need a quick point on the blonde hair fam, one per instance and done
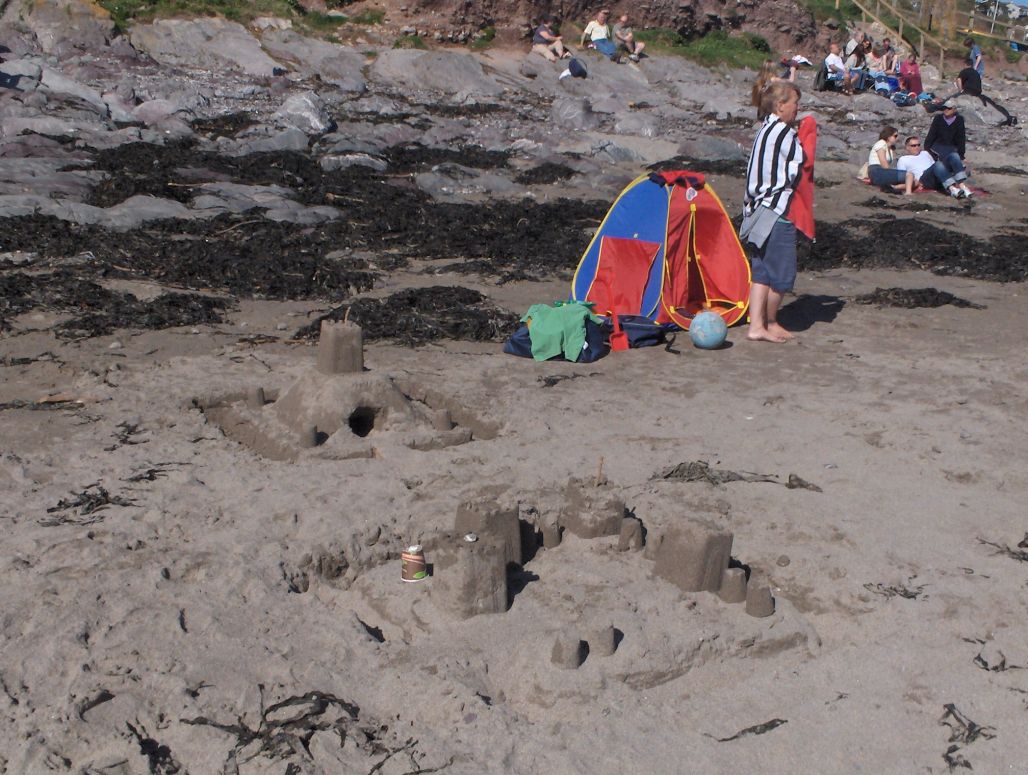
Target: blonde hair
(764, 79)
(774, 95)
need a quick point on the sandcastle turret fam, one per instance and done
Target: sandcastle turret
(340, 348)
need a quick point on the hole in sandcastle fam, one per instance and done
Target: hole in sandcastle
(362, 420)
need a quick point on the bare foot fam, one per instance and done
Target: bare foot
(763, 335)
(776, 330)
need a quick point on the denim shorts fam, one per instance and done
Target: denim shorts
(775, 264)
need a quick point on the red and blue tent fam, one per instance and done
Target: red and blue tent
(666, 250)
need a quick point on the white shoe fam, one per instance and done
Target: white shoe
(968, 193)
(955, 192)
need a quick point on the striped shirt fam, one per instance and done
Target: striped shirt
(774, 167)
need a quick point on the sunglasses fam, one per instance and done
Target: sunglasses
(913, 145)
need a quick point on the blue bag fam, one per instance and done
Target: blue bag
(596, 343)
(577, 68)
(643, 332)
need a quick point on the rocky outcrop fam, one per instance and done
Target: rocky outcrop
(62, 27)
(209, 43)
(783, 23)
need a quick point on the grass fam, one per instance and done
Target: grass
(410, 41)
(322, 21)
(715, 48)
(825, 9)
(368, 17)
(483, 39)
(123, 12)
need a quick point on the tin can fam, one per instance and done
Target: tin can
(413, 566)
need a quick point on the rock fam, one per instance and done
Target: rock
(639, 124)
(291, 139)
(338, 65)
(56, 82)
(448, 72)
(22, 67)
(81, 22)
(307, 113)
(332, 163)
(137, 210)
(573, 113)
(207, 42)
(711, 147)
(155, 111)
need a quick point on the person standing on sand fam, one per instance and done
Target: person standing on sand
(772, 174)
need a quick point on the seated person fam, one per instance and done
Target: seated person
(910, 74)
(546, 42)
(626, 39)
(947, 142)
(880, 161)
(929, 173)
(889, 57)
(969, 81)
(855, 66)
(874, 60)
(600, 35)
(837, 72)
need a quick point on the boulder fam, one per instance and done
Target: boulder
(711, 147)
(338, 65)
(82, 23)
(56, 82)
(207, 42)
(448, 72)
(307, 113)
(573, 113)
(154, 111)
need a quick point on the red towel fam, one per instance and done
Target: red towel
(801, 208)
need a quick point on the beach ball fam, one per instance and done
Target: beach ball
(708, 330)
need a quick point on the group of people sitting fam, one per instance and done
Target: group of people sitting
(613, 41)
(936, 164)
(872, 65)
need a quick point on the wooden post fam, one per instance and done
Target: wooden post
(942, 62)
(900, 29)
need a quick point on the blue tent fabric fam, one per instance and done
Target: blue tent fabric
(640, 214)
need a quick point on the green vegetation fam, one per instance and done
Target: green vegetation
(409, 41)
(715, 48)
(368, 17)
(322, 21)
(825, 9)
(484, 38)
(125, 11)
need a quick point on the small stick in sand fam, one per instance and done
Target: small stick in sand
(346, 315)
(600, 478)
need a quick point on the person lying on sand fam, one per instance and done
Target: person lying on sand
(928, 173)
(774, 169)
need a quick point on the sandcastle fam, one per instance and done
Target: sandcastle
(339, 410)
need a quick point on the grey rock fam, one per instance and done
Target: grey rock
(639, 124)
(207, 42)
(711, 147)
(305, 112)
(338, 65)
(333, 163)
(23, 67)
(137, 210)
(573, 113)
(448, 72)
(77, 21)
(119, 109)
(289, 140)
(155, 111)
(57, 82)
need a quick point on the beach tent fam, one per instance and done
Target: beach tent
(665, 250)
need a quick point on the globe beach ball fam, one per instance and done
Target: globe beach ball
(708, 330)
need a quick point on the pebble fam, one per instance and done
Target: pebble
(115, 345)
(281, 326)
(783, 560)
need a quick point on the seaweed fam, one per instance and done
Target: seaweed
(963, 732)
(89, 503)
(1020, 553)
(158, 756)
(416, 316)
(700, 471)
(758, 729)
(545, 173)
(895, 590)
(912, 298)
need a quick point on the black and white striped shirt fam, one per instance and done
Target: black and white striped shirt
(774, 167)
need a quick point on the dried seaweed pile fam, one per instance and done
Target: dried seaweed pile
(418, 315)
(913, 298)
(98, 311)
(543, 174)
(909, 244)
